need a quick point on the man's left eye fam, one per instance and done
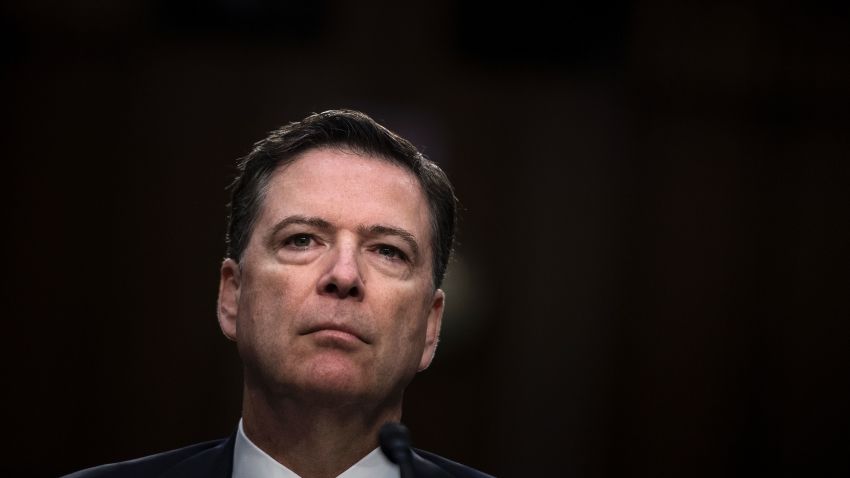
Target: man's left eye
(390, 252)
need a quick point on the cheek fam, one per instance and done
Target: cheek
(262, 309)
(408, 318)
(262, 336)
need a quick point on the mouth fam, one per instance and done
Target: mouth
(336, 331)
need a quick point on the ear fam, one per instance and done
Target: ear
(432, 332)
(228, 297)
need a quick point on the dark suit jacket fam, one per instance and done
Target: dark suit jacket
(214, 459)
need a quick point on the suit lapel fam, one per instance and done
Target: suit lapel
(216, 462)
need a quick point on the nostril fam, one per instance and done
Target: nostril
(341, 291)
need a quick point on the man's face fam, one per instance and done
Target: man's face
(333, 296)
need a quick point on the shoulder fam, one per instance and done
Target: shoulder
(206, 456)
(448, 467)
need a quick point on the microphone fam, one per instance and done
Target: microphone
(395, 443)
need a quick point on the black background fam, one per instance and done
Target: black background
(652, 274)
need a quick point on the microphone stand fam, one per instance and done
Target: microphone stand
(395, 443)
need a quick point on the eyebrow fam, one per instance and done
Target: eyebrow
(323, 225)
(316, 222)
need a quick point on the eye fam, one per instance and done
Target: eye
(390, 252)
(299, 241)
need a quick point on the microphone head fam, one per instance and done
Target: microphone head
(395, 442)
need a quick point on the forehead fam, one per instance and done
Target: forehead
(349, 190)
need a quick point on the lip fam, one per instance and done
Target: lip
(340, 330)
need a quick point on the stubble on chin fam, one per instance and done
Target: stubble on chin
(312, 375)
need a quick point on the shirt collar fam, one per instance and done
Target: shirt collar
(249, 461)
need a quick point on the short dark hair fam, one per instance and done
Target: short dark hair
(359, 133)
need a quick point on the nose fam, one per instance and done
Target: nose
(342, 279)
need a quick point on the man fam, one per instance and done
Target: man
(338, 239)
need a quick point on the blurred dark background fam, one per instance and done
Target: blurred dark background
(652, 275)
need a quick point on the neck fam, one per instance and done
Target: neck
(312, 438)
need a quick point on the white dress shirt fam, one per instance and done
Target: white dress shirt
(251, 462)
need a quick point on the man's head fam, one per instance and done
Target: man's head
(353, 131)
(339, 233)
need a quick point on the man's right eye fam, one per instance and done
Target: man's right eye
(299, 241)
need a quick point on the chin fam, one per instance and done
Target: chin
(337, 382)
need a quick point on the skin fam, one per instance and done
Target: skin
(332, 307)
